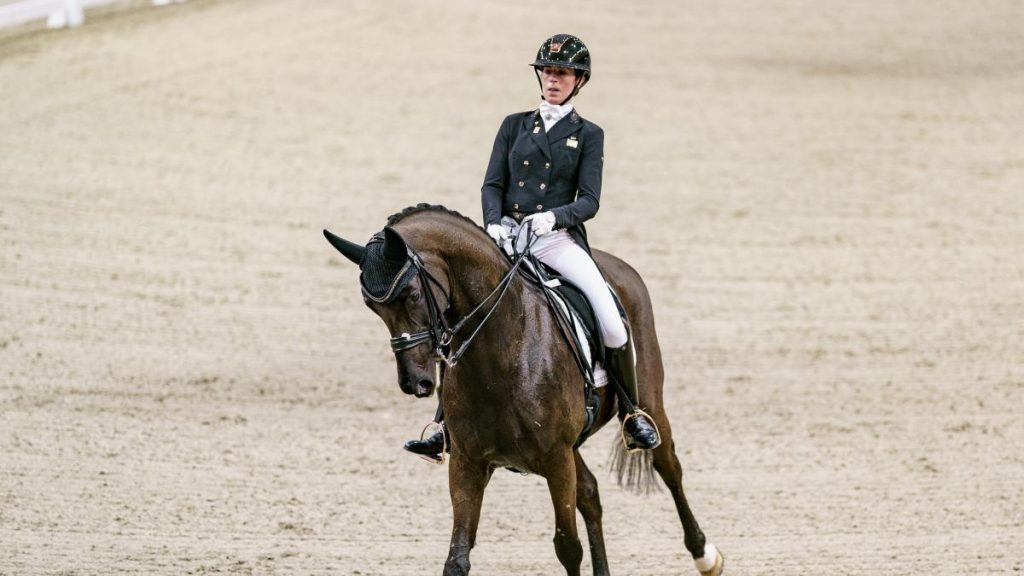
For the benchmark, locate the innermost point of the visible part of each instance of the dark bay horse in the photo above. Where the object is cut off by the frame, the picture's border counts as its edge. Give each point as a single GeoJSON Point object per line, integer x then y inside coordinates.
{"type": "Point", "coordinates": [515, 398]}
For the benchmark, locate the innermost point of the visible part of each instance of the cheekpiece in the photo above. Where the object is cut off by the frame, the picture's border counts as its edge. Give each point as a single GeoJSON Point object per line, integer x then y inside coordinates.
{"type": "Point", "coordinates": [382, 278]}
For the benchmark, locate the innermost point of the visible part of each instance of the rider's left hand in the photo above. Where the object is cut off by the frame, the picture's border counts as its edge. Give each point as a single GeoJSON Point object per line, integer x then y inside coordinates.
{"type": "Point", "coordinates": [541, 223]}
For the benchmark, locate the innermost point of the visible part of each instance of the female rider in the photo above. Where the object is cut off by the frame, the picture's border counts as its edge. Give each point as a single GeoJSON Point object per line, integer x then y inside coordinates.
{"type": "Point", "coordinates": [545, 171]}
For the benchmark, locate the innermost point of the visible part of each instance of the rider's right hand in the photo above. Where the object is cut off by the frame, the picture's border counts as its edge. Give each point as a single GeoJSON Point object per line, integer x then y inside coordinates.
{"type": "Point", "coordinates": [498, 233]}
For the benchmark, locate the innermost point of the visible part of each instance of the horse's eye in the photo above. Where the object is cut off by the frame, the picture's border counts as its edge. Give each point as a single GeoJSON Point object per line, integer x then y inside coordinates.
{"type": "Point", "coordinates": [412, 302]}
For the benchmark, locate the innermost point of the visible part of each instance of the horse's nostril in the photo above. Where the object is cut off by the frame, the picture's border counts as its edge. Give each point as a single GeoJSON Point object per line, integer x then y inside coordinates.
{"type": "Point", "coordinates": [424, 388]}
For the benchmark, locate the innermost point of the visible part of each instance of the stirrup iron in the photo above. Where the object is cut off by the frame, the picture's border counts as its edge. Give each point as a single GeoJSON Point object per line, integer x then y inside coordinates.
{"type": "Point", "coordinates": [631, 448]}
{"type": "Point", "coordinates": [444, 436]}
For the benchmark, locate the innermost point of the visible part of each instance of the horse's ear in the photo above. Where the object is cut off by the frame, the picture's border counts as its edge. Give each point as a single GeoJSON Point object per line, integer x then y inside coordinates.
{"type": "Point", "coordinates": [351, 250]}
{"type": "Point", "coordinates": [394, 246]}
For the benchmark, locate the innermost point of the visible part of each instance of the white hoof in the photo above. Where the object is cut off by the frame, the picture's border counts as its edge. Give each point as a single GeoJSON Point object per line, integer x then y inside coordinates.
{"type": "Point", "coordinates": [711, 563]}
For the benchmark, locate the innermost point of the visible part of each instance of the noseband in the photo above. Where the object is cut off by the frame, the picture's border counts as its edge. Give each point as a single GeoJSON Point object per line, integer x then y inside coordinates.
{"type": "Point", "coordinates": [440, 335]}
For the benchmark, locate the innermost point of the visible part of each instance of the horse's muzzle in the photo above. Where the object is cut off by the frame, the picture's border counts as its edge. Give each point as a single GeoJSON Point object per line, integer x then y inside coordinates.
{"type": "Point", "coordinates": [422, 388]}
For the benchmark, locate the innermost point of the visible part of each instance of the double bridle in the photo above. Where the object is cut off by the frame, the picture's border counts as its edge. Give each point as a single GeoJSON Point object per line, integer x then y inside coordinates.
{"type": "Point", "coordinates": [439, 334]}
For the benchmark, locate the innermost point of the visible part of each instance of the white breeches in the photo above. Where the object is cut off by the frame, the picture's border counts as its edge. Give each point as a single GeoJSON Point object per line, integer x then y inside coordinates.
{"type": "Point", "coordinates": [559, 251]}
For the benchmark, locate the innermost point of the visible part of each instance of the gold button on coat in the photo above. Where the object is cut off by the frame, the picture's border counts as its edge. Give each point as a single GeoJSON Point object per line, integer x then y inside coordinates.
{"type": "Point", "coordinates": [515, 206]}
{"type": "Point", "coordinates": [540, 206]}
{"type": "Point", "coordinates": [547, 164]}
{"type": "Point", "coordinates": [543, 186]}
{"type": "Point", "coordinates": [526, 162]}
{"type": "Point", "coordinates": [521, 184]}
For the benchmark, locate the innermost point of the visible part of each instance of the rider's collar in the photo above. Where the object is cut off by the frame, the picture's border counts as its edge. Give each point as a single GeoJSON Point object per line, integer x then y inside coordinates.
{"type": "Point", "coordinates": [552, 113]}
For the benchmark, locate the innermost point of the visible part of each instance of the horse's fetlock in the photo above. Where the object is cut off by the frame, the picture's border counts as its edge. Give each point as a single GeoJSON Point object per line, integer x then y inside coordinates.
{"type": "Point", "coordinates": [568, 548]}
{"type": "Point", "coordinates": [695, 543]}
{"type": "Point", "coordinates": [458, 566]}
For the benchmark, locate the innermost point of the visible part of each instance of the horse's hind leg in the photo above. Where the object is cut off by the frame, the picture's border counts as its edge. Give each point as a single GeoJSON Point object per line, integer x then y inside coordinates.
{"type": "Point", "coordinates": [707, 558]}
{"type": "Point", "coordinates": [588, 500]}
{"type": "Point", "coordinates": [467, 481]}
{"type": "Point", "coordinates": [561, 477]}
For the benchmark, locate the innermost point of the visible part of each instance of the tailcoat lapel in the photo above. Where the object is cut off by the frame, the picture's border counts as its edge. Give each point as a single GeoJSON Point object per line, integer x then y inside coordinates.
{"type": "Point", "coordinates": [531, 124]}
{"type": "Point", "coordinates": [564, 127]}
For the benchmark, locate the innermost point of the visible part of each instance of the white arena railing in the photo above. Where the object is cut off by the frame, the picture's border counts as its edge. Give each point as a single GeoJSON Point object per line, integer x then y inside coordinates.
{"type": "Point", "coordinates": [58, 13]}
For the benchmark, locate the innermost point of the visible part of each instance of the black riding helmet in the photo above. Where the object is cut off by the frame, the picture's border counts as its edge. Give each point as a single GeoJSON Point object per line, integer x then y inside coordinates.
{"type": "Point", "coordinates": [564, 51]}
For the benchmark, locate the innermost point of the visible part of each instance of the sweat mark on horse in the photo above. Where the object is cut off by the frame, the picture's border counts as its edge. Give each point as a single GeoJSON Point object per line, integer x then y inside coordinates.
{"type": "Point", "coordinates": [514, 399]}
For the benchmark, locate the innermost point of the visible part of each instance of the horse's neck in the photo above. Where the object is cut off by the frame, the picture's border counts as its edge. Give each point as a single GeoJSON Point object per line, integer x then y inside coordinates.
{"type": "Point", "coordinates": [475, 274]}
{"type": "Point", "coordinates": [475, 268]}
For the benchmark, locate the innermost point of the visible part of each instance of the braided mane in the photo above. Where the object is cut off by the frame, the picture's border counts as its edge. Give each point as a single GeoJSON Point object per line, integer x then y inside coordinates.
{"type": "Point", "coordinates": [424, 207]}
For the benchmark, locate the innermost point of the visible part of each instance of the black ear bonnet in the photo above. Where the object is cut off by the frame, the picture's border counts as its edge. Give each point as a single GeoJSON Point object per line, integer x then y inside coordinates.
{"type": "Point", "coordinates": [386, 267]}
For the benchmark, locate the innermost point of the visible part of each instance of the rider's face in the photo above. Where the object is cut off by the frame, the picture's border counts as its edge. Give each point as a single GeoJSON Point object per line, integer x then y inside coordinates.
{"type": "Point", "coordinates": [557, 83]}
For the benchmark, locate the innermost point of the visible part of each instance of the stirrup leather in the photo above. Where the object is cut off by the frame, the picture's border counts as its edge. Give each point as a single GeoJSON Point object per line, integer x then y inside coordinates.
{"type": "Point", "coordinates": [444, 436]}
{"type": "Point", "coordinates": [630, 447]}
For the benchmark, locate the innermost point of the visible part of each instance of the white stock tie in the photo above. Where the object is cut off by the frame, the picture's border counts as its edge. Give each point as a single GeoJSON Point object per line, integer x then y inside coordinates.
{"type": "Point", "coordinates": [552, 113]}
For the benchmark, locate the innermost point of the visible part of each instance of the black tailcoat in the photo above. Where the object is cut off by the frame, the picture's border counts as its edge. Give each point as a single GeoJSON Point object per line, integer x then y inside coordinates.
{"type": "Point", "coordinates": [533, 171]}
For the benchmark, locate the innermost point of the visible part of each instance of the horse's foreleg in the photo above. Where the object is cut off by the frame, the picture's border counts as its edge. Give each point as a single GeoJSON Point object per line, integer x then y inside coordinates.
{"type": "Point", "coordinates": [561, 477]}
{"type": "Point", "coordinates": [466, 483]}
{"type": "Point", "coordinates": [706, 557]}
{"type": "Point", "coordinates": [588, 500]}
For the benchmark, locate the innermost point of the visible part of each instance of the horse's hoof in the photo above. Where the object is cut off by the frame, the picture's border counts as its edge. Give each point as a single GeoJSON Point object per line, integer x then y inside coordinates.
{"type": "Point", "coordinates": [716, 568]}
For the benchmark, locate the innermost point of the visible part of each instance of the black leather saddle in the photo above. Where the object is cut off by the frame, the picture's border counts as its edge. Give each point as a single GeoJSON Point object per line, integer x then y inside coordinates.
{"type": "Point", "coordinates": [578, 303]}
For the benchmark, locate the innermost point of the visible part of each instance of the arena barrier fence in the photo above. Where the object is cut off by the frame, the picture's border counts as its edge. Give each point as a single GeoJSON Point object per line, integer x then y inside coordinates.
{"type": "Point", "coordinates": [58, 13]}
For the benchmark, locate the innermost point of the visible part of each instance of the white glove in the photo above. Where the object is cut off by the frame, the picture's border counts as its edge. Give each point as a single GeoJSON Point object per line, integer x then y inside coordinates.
{"type": "Point", "coordinates": [541, 223]}
{"type": "Point", "coordinates": [498, 233]}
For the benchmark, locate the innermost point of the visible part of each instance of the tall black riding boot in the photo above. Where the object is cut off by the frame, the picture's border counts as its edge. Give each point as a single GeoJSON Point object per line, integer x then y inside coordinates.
{"type": "Point", "coordinates": [432, 446]}
{"type": "Point", "coordinates": [640, 431]}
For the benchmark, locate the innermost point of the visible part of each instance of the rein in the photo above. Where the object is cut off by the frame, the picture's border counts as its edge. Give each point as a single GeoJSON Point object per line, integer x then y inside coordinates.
{"type": "Point", "coordinates": [439, 334]}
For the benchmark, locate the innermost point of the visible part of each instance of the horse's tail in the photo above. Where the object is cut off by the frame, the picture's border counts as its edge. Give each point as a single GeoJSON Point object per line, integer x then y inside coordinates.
{"type": "Point", "coordinates": [633, 471]}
